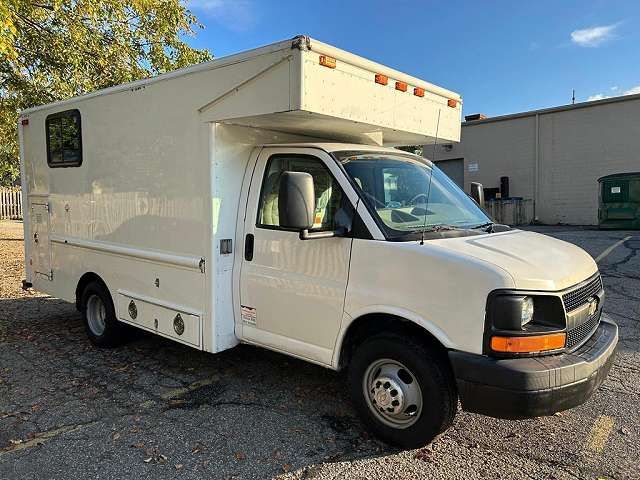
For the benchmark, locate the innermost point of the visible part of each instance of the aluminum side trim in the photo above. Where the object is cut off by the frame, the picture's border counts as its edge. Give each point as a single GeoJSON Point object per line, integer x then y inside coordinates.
{"type": "Point", "coordinates": [186, 261]}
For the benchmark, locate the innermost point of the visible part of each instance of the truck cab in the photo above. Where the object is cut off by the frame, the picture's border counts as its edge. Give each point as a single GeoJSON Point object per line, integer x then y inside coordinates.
{"type": "Point", "coordinates": [372, 259]}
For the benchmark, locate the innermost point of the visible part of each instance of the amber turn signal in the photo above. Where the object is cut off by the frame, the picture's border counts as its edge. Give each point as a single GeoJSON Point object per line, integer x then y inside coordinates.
{"type": "Point", "coordinates": [326, 61]}
{"type": "Point", "coordinates": [528, 344]}
{"type": "Point", "coordinates": [382, 79]}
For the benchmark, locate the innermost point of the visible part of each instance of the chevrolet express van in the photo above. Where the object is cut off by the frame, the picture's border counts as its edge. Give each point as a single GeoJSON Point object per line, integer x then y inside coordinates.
{"type": "Point", "coordinates": [256, 199]}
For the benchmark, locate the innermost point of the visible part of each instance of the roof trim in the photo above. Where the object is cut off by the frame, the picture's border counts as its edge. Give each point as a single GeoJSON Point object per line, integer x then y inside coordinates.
{"type": "Point", "coordinates": [300, 42]}
{"type": "Point", "coordinates": [335, 146]}
{"type": "Point", "coordinates": [199, 67]}
{"type": "Point", "coordinates": [562, 108]}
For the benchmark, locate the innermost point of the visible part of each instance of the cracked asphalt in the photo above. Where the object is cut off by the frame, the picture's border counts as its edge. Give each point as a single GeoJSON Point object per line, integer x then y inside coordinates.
{"type": "Point", "coordinates": [157, 409]}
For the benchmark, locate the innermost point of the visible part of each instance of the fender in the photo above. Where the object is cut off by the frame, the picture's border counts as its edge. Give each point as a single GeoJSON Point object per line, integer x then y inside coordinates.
{"type": "Point", "coordinates": [349, 318]}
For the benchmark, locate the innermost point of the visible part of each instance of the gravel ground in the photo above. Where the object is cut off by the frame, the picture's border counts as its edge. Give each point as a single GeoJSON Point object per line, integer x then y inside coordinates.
{"type": "Point", "coordinates": [156, 409]}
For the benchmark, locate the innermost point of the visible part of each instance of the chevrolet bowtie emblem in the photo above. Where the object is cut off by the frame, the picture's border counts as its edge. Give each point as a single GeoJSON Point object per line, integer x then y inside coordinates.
{"type": "Point", "coordinates": [593, 305]}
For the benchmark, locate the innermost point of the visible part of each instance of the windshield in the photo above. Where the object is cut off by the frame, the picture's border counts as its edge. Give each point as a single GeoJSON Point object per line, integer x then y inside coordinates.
{"type": "Point", "coordinates": [399, 190]}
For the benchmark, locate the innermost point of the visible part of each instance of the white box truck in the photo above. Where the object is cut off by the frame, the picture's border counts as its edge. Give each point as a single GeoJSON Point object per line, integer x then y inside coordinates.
{"type": "Point", "coordinates": [255, 199]}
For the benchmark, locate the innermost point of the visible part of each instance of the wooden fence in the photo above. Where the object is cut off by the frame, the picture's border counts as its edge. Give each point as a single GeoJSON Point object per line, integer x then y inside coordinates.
{"type": "Point", "coordinates": [10, 203]}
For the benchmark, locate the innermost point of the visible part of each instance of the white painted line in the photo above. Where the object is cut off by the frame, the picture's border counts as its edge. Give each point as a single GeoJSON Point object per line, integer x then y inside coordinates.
{"type": "Point", "coordinates": [611, 249]}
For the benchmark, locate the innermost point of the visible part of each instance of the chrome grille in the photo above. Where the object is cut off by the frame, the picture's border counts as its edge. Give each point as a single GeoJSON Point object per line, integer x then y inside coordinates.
{"type": "Point", "coordinates": [582, 332]}
{"type": "Point", "coordinates": [578, 297]}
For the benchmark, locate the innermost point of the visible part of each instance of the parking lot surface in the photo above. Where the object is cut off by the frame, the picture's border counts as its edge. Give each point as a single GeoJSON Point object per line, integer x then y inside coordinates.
{"type": "Point", "coordinates": [157, 409]}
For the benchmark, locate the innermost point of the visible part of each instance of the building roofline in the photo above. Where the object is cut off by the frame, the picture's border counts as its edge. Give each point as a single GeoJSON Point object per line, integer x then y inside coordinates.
{"type": "Point", "coordinates": [562, 108]}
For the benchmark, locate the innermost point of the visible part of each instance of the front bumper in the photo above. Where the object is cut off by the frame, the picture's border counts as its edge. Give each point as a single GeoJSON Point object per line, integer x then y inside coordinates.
{"type": "Point", "coordinates": [535, 386]}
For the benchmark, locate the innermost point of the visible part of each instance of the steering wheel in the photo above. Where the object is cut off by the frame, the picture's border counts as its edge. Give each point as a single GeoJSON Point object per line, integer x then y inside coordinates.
{"type": "Point", "coordinates": [413, 200]}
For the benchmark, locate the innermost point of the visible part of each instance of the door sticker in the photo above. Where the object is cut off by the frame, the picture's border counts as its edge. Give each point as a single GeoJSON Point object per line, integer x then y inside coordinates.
{"type": "Point", "coordinates": [248, 314]}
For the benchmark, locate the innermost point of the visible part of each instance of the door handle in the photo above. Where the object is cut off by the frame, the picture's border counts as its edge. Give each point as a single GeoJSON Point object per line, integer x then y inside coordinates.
{"type": "Point", "coordinates": [248, 247]}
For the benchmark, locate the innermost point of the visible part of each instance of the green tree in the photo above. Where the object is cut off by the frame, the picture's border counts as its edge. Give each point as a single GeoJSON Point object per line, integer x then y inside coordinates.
{"type": "Point", "coordinates": [417, 149]}
{"type": "Point", "coordinates": [55, 49]}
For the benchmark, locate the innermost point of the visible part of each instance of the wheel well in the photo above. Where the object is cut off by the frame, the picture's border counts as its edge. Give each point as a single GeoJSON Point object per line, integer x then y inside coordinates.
{"type": "Point", "coordinates": [372, 324]}
{"type": "Point", "coordinates": [85, 280]}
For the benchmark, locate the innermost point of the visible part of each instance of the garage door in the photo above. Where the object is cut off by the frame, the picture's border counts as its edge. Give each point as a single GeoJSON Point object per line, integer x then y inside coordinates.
{"type": "Point", "coordinates": [454, 170]}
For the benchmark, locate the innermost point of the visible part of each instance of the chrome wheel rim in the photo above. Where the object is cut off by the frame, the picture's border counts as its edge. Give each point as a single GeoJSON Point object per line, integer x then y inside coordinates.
{"type": "Point", "coordinates": [392, 393]}
{"type": "Point", "coordinates": [96, 315]}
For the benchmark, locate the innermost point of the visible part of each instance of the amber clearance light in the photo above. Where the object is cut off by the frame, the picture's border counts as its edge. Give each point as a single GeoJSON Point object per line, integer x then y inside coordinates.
{"type": "Point", "coordinates": [381, 79]}
{"type": "Point", "coordinates": [327, 61]}
{"type": "Point", "coordinates": [402, 86]}
{"type": "Point", "coordinates": [528, 344]}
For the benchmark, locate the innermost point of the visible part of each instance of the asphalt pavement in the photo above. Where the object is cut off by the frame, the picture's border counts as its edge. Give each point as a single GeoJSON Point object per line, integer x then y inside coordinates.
{"type": "Point", "coordinates": [157, 409]}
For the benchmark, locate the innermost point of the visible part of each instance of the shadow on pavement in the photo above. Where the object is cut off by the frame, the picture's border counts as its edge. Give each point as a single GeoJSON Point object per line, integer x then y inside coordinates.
{"type": "Point", "coordinates": [243, 410]}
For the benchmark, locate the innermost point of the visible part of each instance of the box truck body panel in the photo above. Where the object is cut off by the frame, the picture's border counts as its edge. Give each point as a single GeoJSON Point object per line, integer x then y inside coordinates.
{"type": "Point", "coordinates": [254, 199]}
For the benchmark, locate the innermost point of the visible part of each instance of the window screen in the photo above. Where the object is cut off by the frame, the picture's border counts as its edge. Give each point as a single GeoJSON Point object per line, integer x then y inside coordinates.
{"type": "Point", "coordinates": [329, 197]}
{"type": "Point", "coordinates": [64, 139]}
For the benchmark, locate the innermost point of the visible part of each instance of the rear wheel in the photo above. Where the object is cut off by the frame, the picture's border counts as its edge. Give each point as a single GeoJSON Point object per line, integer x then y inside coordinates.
{"type": "Point", "coordinates": [98, 313]}
{"type": "Point", "coordinates": [403, 391]}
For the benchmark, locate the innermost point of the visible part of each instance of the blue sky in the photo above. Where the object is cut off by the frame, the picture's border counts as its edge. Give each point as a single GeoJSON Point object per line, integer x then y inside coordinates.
{"type": "Point", "coordinates": [501, 56]}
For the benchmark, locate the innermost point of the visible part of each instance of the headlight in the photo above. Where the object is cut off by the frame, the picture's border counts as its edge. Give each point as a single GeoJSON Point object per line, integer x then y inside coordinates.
{"type": "Point", "coordinates": [526, 312]}
{"type": "Point", "coordinates": [511, 310]}
{"type": "Point", "coordinates": [521, 320]}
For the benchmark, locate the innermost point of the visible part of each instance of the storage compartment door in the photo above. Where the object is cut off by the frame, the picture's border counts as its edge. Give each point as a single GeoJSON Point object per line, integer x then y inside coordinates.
{"type": "Point", "coordinates": [166, 320]}
{"type": "Point", "coordinates": [40, 245]}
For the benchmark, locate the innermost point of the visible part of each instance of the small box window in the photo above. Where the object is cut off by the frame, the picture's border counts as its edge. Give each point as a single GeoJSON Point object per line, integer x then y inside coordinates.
{"type": "Point", "coordinates": [64, 139]}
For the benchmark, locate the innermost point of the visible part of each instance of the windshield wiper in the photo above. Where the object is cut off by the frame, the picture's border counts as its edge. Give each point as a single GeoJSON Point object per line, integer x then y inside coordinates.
{"type": "Point", "coordinates": [482, 225]}
{"type": "Point", "coordinates": [442, 228]}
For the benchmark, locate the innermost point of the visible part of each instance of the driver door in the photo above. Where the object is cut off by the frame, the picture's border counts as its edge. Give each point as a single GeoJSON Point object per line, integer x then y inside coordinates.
{"type": "Point", "coordinates": [291, 290]}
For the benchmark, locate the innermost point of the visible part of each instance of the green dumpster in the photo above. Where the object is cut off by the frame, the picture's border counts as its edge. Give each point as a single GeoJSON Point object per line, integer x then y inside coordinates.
{"type": "Point", "coordinates": [619, 205]}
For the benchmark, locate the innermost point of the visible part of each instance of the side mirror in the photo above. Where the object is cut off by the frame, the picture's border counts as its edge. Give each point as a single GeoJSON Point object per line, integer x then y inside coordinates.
{"type": "Point", "coordinates": [477, 193]}
{"type": "Point", "coordinates": [296, 201]}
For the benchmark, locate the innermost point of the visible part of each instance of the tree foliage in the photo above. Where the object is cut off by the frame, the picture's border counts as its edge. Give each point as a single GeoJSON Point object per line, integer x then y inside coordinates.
{"type": "Point", "coordinates": [55, 49]}
{"type": "Point", "coordinates": [417, 149]}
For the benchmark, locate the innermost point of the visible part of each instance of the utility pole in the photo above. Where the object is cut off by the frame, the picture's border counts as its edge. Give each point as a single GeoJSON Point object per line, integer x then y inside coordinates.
{"type": "Point", "coordinates": [573, 96]}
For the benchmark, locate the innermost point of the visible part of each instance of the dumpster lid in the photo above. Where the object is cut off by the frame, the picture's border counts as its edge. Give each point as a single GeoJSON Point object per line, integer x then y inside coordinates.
{"type": "Point", "coordinates": [620, 175]}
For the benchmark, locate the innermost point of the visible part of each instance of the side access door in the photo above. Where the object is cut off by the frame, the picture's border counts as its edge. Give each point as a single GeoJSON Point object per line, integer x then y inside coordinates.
{"type": "Point", "coordinates": [292, 291]}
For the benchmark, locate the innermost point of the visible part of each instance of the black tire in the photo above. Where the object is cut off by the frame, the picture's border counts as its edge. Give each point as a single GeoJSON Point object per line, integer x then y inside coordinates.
{"type": "Point", "coordinates": [114, 332]}
{"type": "Point", "coordinates": [435, 380]}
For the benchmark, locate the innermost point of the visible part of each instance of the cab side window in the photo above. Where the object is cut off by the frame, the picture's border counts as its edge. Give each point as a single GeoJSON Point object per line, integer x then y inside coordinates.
{"type": "Point", "coordinates": [64, 139]}
{"type": "Point", "coordinates": [330, 200]}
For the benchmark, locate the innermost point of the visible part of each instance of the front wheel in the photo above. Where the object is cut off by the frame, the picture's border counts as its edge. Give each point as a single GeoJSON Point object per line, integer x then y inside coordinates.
{"type": "Point", "coordinates": [403, 391]}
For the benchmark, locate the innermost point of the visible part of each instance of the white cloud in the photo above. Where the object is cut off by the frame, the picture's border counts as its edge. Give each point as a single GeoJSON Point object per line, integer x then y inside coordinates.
{"type": "Point", "coordinates": [614, 88]}
{"type": "Point", "coordinates": [237, 15]}
{"type": "Point", "coordinates": [594, 36]}
{"type": "Point", "coordinates": [599, 96]}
